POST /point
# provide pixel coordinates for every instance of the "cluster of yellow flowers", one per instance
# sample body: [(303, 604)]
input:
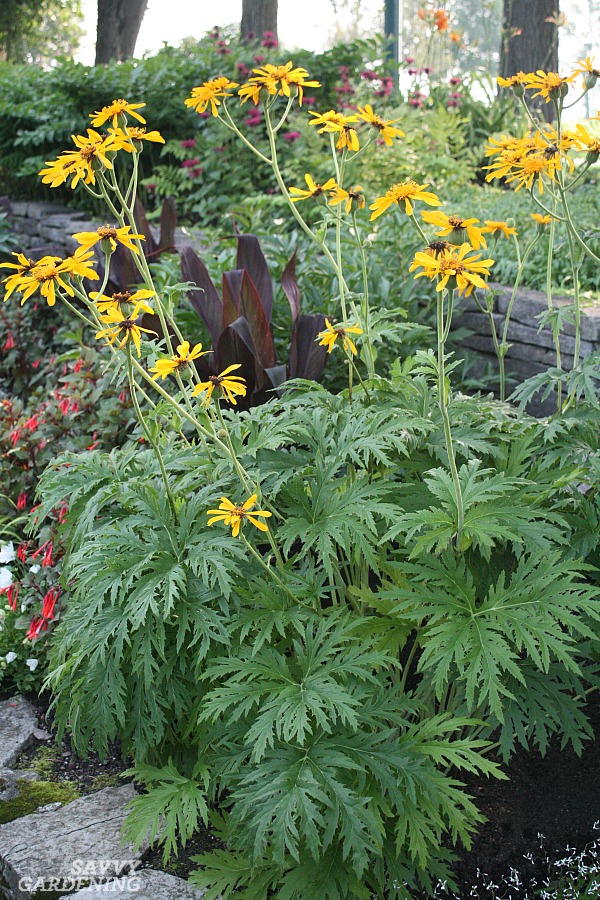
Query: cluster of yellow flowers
[(96, 151)]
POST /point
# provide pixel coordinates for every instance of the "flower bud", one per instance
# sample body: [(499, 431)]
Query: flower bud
[(589, 81), (518, 90)]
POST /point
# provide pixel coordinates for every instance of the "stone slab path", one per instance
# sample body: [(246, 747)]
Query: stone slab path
[(18, 722), (146, 884), (72, 850), (55, 848)]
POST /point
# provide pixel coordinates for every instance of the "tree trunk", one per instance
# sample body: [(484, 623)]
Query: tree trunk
[(118, 28), (530, 41), (258, 16)]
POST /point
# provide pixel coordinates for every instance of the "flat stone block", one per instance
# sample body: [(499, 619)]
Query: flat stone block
[(530, 304), (145, 884), (63, 849), (18, 721), (9, 779), (18, 208)]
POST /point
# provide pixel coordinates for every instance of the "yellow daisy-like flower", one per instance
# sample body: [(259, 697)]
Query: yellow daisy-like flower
[(495, 228), (230, 385), (48, 274), (117, 300), (123, 328), (540, 219), (132, 139), (284, 80), (118, 108), (83, 163), (183, 358), (589, 142), (512, 80), (386, 132), (22, 268), (233, 515), (333, 122), (332, 333), (507, 143), (209, 93), (532, 168), (406, 191), (549, 85), (314, 190), (453, 269), (589, 71), (353, 195), (109, 234), (80, 264), (455, 228)]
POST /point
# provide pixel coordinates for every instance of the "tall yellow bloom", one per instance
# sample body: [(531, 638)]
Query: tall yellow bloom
[(549, 85), (386, 132), (22, 268), (122, 299), (180, 360), (531, 170), (332, 333), (352, 195), (91, 155), (333, 122), (230, 385), (453, 269), (455, 228), (406, 191), (123, 328), (233, 515), (314, 189), (47, 275), (495, 227), (285, 80), (115, 111), (209, 93), (132, 139), (108, 235)]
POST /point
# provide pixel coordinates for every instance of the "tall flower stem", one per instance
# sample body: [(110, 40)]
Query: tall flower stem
[(148, 433), (366, 311), (442, 330)]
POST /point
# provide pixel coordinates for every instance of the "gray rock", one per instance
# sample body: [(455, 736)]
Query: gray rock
[(18, 719), (18, 208), (9, 779), (59, 849), (145, 884)]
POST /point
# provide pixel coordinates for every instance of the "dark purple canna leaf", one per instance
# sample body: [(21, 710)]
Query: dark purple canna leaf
[(240, 298), (290, 286), (143, 227), (251, 258), (206, 301), (277, 375), (168, 223), (307, 358), (232, 295)]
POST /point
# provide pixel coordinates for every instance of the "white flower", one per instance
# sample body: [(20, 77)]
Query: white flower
[(7, 553), (6, 578), (32, 663), (10, 656), (35, 568)]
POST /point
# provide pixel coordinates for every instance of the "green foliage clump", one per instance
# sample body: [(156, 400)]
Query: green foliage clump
[(330, 713)]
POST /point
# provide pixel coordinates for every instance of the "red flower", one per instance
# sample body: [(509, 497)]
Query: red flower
[(14, 436), (50, 602), (78, 365), (12, 595), (35, 364), (22, 551), (38, 623), (10, 342), (47, 559), (22, 503)]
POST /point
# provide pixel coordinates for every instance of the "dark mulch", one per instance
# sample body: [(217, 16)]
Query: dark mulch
[(556, 796)]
